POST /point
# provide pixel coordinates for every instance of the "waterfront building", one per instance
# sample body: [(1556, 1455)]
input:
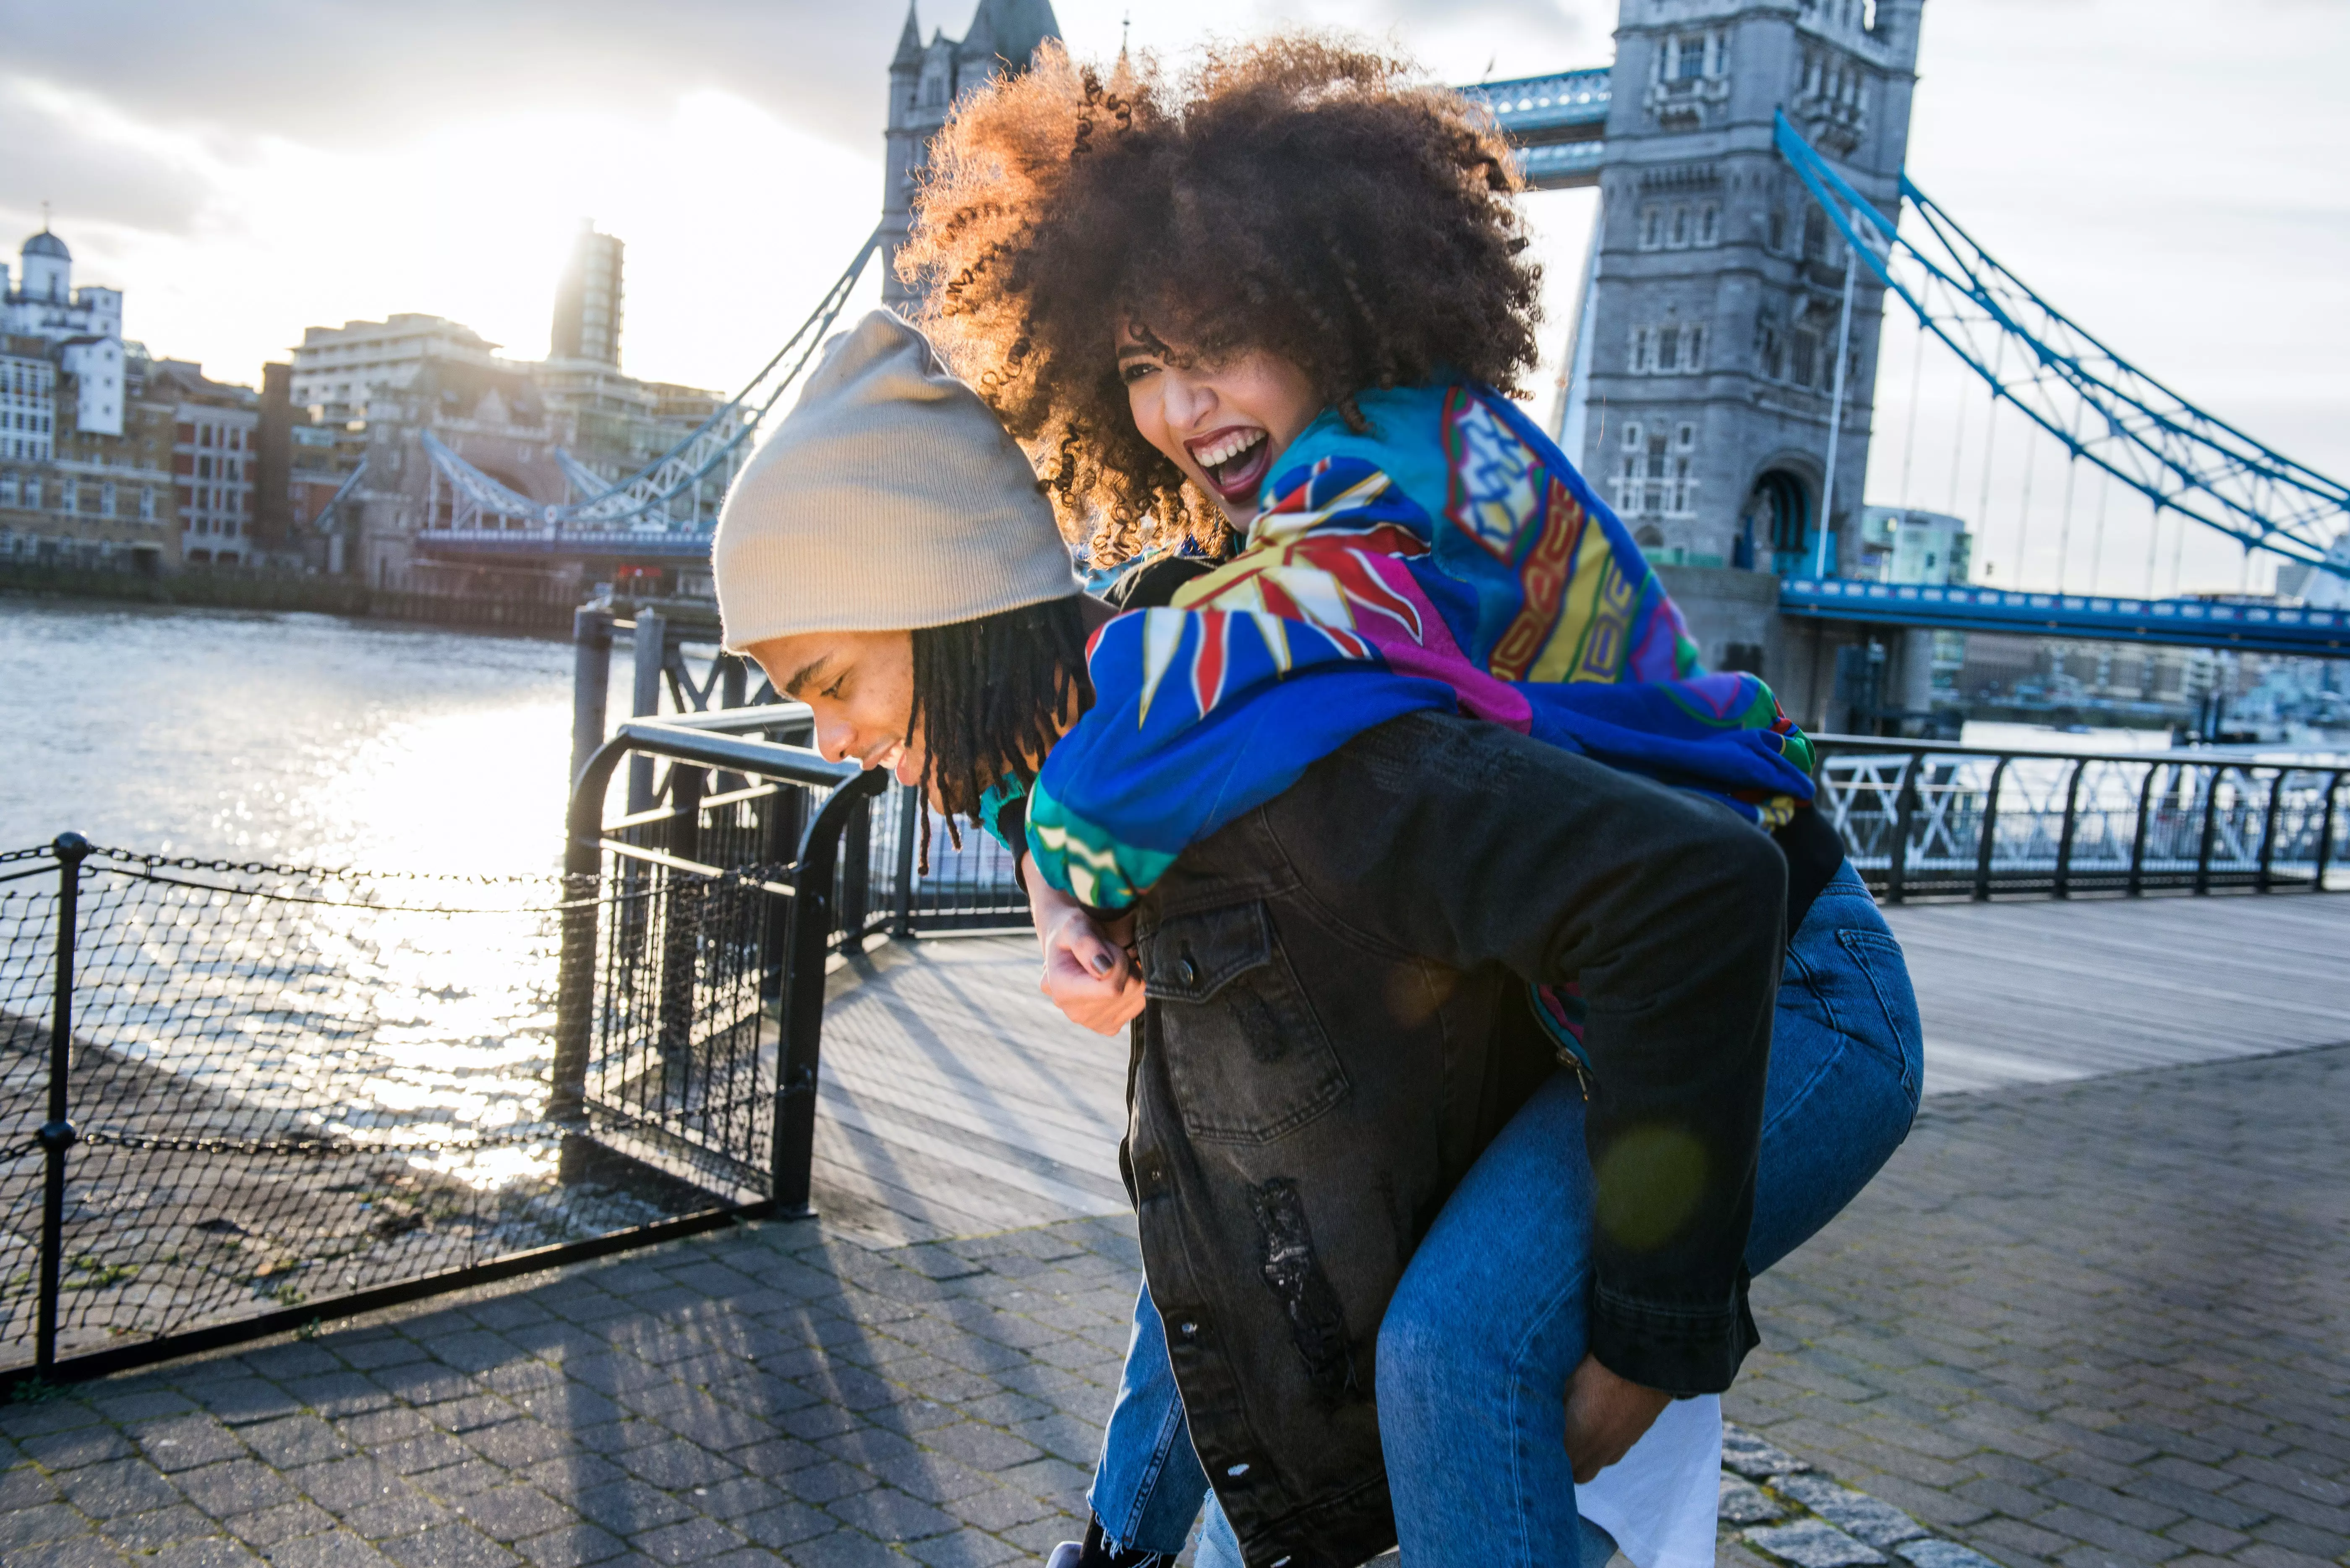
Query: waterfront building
[(338, 370), (587, 302), (925, 79), (216, 449), (78, 496)]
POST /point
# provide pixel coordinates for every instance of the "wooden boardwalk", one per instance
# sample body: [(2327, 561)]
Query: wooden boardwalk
[(956, 1101)]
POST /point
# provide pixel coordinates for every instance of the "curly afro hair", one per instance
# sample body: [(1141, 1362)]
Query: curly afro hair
[(1299, 195)]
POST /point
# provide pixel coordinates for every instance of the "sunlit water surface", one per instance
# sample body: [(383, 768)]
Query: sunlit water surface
[(308, 741)]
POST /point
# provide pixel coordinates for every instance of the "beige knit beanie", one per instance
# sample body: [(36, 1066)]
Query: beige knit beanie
[(889, 498)]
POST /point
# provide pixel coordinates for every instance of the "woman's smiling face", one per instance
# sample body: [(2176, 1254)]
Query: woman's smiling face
[(1222, 424)]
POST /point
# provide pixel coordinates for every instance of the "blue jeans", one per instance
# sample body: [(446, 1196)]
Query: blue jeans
[(1487, 1322)]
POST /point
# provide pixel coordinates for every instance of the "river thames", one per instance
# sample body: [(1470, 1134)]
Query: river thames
[(293, 739)]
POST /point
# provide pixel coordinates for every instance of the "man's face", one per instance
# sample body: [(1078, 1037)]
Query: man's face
[(860, 685), (1222, 424)]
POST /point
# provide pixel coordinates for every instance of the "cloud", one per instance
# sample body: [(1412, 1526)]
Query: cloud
[(80, 152), (347, 73)]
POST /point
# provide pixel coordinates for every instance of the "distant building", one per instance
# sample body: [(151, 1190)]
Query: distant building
[(84, 443), (1903, 545), (925, 79), (587, 302), (215, 452), (338, 369)]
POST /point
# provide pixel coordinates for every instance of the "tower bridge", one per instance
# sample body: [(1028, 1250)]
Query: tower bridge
[(1755, 222)]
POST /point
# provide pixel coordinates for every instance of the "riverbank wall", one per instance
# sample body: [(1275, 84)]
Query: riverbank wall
[(286, 591)]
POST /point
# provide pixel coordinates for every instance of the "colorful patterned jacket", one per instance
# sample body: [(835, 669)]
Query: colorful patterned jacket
[(1451, 557)]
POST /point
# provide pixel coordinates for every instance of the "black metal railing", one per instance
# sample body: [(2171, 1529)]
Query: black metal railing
[(235, 1098), (1921, 819)]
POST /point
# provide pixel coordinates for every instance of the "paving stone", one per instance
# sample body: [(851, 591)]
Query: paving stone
[(82, 1551), (236, 1486), (1743, 1502), (80, 1446), (1812, 1544), (1749, 1456), (571, 1546), (687, 1541), (1936, 1553), (448, 1546), (161, 1528), (1873, 1522), (963, 1549), (123, 1486), (294, 1441), (889, 1514), (218, 1553), (511, 1513), (335, 1548)]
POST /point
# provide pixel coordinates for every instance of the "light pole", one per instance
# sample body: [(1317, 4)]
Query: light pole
[(1835, 412)]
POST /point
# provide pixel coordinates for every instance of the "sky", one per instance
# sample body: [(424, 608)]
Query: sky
[(2167, 171)]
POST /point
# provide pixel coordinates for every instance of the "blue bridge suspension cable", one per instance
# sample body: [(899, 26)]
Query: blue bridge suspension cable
[(2101, 407)]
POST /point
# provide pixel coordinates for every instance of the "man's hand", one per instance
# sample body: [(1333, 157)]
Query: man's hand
[(1606, 1414), (1087, 971)]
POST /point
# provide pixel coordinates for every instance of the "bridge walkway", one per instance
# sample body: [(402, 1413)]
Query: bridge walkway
[(956, 1101)]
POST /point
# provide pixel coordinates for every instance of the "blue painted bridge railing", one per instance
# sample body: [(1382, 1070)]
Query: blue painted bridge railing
[(1925, 820), (2199, 623)]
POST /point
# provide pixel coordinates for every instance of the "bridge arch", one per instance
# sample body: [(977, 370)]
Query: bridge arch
[(1780, 516)]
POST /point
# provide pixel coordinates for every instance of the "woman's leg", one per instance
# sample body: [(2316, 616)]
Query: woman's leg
[(1487, 1324), (1475, 1349), (1148, 1485), (1848, 1055)]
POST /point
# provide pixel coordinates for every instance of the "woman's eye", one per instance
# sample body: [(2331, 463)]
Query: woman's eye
[(1132, 373)]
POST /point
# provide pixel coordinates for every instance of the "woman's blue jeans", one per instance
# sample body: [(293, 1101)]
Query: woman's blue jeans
[(1487, 1322)]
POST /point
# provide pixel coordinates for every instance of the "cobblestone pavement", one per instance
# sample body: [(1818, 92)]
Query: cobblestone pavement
[(772, 1389), (2097, 1323), (2106, 1322)]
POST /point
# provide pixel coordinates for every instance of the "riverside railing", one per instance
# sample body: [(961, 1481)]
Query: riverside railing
[(1921, 819), (237, 1099)]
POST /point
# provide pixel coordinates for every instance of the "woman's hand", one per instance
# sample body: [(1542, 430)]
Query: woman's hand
[(1087, 971), (1606, 1414)]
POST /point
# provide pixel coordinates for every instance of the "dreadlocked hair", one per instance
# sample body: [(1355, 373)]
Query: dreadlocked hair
[(991, 696)]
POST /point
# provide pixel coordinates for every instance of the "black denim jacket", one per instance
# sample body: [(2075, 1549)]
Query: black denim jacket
[(1337, 1027)]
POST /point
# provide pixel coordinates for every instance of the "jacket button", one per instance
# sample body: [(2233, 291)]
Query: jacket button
[(1188, 1330), (1238, 1470), (1188, 970)]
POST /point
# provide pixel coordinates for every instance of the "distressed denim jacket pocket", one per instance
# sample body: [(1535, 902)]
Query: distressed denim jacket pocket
[(1246, 1054)]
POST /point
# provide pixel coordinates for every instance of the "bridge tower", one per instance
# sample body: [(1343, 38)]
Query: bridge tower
[(925, 79), (1705, 351)]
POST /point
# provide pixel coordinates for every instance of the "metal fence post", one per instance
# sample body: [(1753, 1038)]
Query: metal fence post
[(1904, 812), (57, 1135), (2137, 835), (2211, 828), (683, 905), (1989, 831), (647, 654), (591, 681), (2267, 830), (910, 822), (2064, 887), (792, 1150), (2326, 835), (857, 876)]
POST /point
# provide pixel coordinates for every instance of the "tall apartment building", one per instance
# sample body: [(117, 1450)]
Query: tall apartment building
[(587, 301)]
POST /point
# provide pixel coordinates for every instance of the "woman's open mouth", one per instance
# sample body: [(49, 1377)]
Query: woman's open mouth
[(1234, 460)]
